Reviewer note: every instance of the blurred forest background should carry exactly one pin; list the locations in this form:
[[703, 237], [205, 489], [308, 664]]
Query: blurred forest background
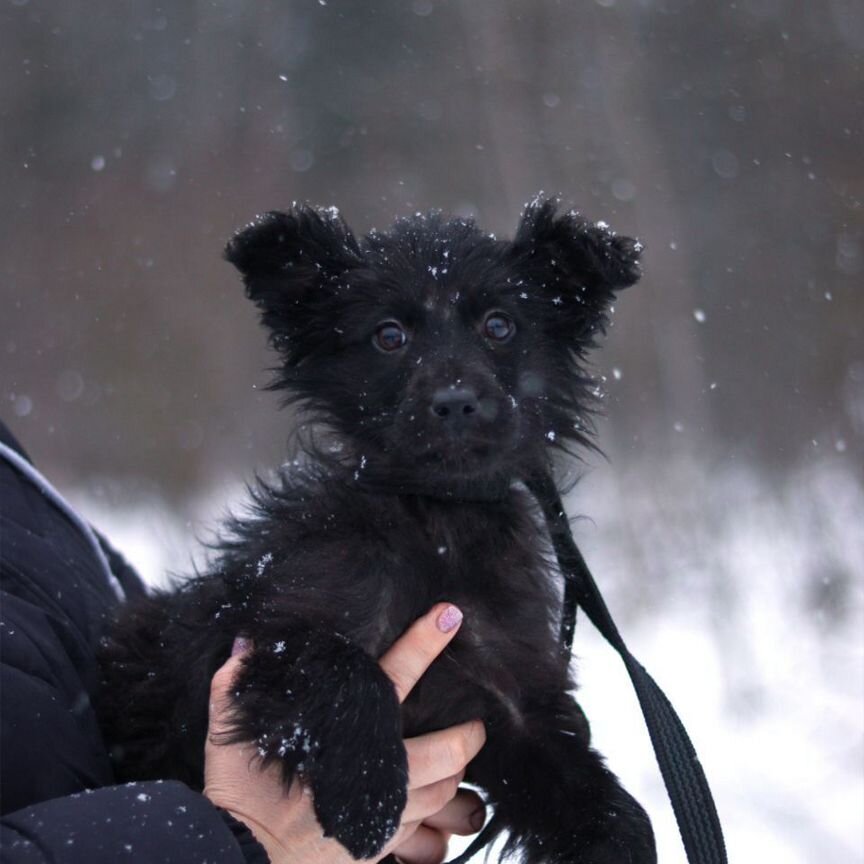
[[135, 137]]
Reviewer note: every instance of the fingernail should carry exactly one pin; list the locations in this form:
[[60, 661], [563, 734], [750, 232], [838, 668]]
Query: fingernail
[[449, 619], [477, 819], [240, 645]]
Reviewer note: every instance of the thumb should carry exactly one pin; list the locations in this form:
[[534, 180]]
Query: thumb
[[223, 681]]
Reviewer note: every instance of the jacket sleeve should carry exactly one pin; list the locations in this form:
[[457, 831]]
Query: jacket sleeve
[[159, 822], [59, 584]]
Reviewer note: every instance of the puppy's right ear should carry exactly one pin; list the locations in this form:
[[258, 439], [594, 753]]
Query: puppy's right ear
[[292, 265]]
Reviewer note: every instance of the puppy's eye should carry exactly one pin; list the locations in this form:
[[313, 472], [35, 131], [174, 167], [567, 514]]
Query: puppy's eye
[[389, 336], [498, 327]]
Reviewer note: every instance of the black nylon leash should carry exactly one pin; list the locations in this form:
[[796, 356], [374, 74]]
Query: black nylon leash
[[683, 776]]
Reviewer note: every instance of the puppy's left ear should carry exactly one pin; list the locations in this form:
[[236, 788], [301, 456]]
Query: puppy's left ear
[[579, 265]]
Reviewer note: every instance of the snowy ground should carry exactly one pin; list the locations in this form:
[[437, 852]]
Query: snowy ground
[[751, 617], [746, 603]]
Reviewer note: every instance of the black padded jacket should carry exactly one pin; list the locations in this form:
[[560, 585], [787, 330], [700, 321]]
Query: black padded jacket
[[60, 582]]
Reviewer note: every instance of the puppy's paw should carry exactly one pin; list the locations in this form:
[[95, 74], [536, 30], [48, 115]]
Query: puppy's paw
[[324, 710], [359, 800], [359, 782]]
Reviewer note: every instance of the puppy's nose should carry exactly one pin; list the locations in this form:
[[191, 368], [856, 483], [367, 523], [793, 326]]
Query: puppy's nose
[[452, 403]]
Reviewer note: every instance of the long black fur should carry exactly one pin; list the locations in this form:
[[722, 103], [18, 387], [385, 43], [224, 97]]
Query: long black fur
[[407, 494]]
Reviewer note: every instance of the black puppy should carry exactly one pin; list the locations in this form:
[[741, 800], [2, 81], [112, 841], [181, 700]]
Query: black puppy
[[445, 366]]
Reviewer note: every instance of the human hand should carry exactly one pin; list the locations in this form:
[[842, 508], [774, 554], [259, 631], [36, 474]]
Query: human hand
[[284, 822]]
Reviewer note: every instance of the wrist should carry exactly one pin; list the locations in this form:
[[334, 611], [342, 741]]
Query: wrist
[[253, 851], [258, 845]]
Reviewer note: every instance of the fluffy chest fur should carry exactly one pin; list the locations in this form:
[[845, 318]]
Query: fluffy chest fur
[[367, 564]]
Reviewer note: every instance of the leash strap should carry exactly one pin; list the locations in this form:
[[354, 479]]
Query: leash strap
[[683, 776]]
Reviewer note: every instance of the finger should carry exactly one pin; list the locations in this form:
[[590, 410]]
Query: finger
[[412, 654], [220, 686], [223, 679], [424, 846], [464, 814], [441, 754], [430, 799]]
